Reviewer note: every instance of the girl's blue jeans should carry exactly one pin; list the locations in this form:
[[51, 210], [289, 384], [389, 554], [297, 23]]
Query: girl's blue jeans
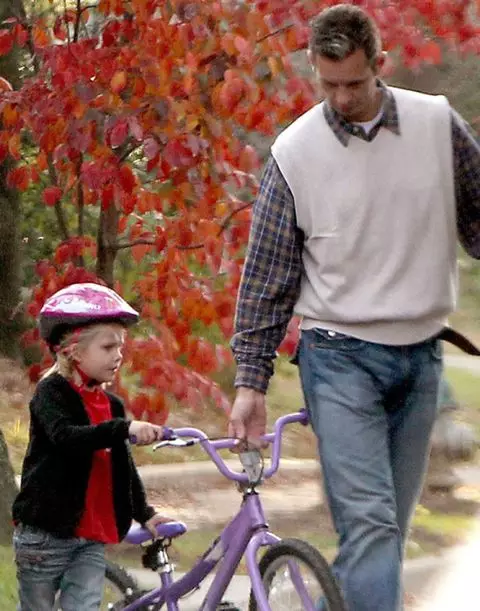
[[372, 408], [46, 566]]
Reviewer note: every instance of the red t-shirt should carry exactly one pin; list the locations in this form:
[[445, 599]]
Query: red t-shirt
[[98, 520]]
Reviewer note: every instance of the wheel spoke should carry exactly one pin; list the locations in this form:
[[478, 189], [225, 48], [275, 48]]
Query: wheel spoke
[[296, 577], [300, 586], [292, 586]]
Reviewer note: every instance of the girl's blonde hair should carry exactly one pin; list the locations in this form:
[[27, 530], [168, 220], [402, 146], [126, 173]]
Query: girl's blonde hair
[[71, 341]]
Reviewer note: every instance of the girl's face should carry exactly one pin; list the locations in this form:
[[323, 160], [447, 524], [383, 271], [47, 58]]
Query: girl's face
[[100, 356]]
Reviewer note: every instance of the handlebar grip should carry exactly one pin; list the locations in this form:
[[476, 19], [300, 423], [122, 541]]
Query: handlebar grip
[[168, 435]]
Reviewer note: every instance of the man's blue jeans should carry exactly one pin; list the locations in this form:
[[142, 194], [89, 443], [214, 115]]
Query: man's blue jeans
[[372, 408], [46, 565]]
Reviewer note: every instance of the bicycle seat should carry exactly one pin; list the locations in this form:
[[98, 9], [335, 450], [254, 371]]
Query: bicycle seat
[[169, 530]]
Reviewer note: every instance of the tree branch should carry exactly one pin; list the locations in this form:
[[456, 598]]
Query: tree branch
[[21, 14], [149, 242], [80, 198], [139, 242], [66, 22], [58, 206], [270, 34], [229, 217], [86, 8], [76, 31], [127, 152]]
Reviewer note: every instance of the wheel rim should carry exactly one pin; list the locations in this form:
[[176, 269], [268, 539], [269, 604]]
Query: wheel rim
[[292, 586]]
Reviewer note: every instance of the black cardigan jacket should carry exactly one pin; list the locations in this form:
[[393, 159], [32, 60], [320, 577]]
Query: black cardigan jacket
[[58, 462]]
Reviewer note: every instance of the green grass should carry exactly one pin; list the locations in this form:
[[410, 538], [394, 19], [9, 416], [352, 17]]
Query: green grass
[[466, 387], [451, 525], [8, 582]]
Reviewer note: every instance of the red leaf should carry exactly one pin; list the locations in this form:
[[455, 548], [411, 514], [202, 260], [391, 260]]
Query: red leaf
[[21, 35], [231, 93], [431, 52], [3, 152], [59, 28], [150, 148], [135, 128], [119, 133], [107, 196], [127, 179], [129, 203], [34, 372], [139, 251], [6, 42], [52, 195], [5, 85], [243, 46], [110, 33], [119, 81], [176, 154], [160, 239], [248, 159], [63, 253], [19, 178]]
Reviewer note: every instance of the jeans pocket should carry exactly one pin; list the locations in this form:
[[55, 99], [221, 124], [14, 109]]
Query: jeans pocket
[[332, 340], [31, 547], [29, 536]]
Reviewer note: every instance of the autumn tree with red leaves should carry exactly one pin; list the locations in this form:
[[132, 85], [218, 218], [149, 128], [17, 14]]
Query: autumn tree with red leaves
[[136, 116]]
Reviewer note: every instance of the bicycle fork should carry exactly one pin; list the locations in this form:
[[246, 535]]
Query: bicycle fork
[[258, 540]]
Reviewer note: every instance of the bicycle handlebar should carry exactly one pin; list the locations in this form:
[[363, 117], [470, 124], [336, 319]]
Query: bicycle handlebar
[[211, 447]]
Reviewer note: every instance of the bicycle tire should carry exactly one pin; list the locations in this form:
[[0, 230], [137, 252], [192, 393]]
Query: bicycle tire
[[311, 557], [125, 584]]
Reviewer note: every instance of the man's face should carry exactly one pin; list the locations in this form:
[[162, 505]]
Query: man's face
[[349, 85]]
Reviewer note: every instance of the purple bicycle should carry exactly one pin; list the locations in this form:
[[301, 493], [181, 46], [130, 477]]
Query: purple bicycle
[[291, 573]]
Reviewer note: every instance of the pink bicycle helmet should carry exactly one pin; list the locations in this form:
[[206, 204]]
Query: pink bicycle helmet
[[79, 305]]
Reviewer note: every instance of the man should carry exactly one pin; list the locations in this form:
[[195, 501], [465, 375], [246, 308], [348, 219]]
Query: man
[[355, 229]]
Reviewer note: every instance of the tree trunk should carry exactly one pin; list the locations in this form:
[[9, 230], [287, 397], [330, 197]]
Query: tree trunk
[[10, 284], [10, 280], [106, 241], [8, 490]]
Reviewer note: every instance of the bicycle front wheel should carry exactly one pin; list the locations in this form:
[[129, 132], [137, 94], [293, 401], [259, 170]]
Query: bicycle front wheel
[[296, 577]]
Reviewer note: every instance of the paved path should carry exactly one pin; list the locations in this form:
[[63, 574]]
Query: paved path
[[455, 585]]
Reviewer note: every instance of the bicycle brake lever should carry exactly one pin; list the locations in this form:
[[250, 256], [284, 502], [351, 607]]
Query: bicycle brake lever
[[176, 443]]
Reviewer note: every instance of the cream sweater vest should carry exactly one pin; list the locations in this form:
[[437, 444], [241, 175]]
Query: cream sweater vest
[[379, 222]]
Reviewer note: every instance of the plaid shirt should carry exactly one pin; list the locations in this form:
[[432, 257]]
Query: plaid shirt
[[273, 267]]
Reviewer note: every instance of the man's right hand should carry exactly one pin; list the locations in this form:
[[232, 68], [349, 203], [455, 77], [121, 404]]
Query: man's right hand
[[248, 418], [144, 433]]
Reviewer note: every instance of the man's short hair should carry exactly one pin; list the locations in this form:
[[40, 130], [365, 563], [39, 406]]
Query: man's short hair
[[340, 30]]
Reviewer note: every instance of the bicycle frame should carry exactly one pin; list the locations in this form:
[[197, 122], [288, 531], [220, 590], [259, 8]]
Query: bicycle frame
[[243, 535]]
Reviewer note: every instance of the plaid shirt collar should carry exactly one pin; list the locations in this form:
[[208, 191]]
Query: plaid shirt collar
[[344, 130]]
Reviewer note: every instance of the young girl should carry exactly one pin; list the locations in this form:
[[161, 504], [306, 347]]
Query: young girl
[[80, 488]]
